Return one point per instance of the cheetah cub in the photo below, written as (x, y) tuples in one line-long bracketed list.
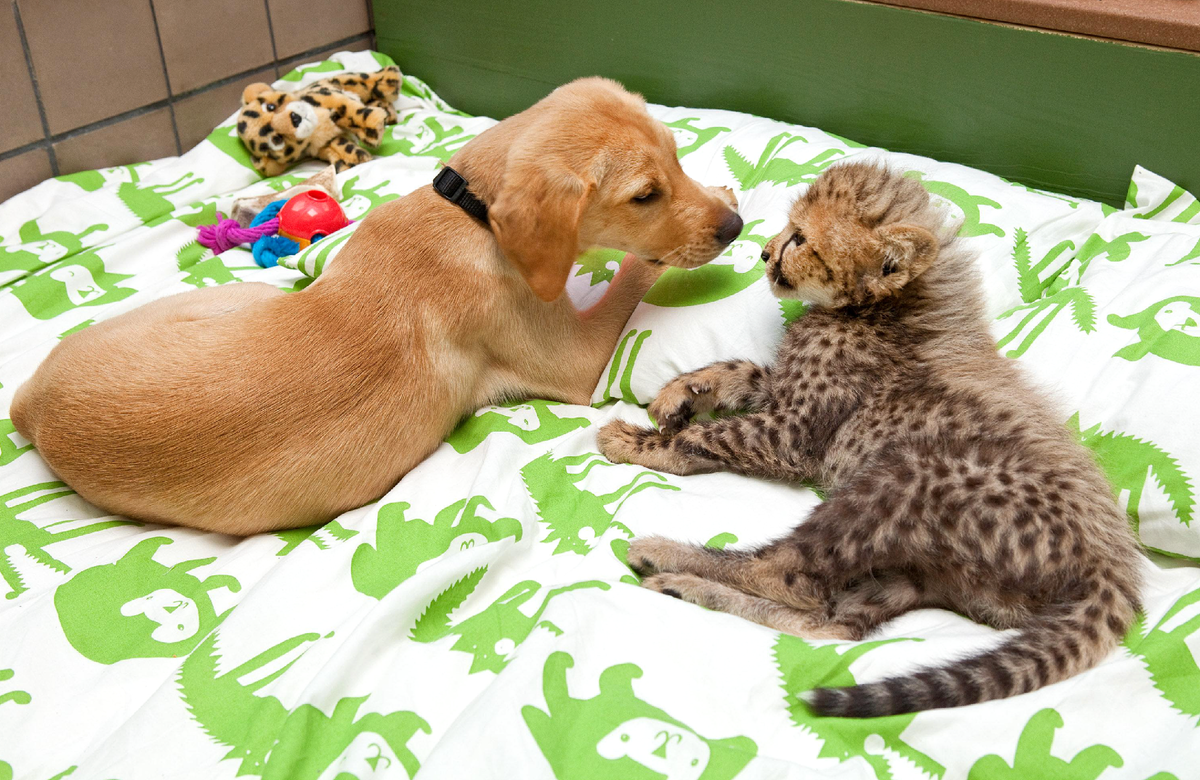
[(950, 484)]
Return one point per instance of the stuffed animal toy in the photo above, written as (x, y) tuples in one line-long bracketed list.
[(282, 128)]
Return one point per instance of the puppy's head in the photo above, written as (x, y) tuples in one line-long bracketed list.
[(589, 166), (858, 235)]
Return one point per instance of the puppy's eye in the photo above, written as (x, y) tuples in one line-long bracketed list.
[(646, 197)]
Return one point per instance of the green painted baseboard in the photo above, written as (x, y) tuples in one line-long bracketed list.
[(1049, 110)]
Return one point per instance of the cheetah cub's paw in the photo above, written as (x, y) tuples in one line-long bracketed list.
[(681, 398), (725, 194), (619, 441), (649, 555)]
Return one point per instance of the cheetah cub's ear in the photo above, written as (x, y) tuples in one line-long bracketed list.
[(905, 251)]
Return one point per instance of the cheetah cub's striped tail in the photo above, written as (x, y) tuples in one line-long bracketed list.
[(1052, 649)]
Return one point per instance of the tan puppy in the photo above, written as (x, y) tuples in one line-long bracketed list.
[(241, 409)]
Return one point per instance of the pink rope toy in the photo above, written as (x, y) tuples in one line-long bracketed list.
[(227, 234)]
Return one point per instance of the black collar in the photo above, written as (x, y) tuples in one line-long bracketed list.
[(453, 187)]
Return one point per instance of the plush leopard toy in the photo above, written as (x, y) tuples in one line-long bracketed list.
[(282, 128)]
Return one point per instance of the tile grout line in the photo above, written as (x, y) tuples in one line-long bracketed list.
[(165, 103), (37, 95), (271, 34), (162, 58)]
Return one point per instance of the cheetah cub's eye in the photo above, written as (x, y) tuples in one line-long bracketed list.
[(890, 266)]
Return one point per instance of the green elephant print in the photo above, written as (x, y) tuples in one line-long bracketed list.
[(38, 250), (1168, 329), (533, 422), (716, 280), (303, 743), (83, 281), (24, 555), (403, 545), (803, 666), (139, 608), (492, 636), (577, 518), (616, 735)]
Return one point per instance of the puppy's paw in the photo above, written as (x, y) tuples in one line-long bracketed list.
[(620, 441), (680, 399), (726, 195)]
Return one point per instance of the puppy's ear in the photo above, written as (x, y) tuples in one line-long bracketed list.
[(536, 221), (907, 250), (253, 91)]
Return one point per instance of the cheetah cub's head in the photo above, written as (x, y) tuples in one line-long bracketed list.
[(857, 236)]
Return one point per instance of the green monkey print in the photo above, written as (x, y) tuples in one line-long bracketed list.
[(615, 735), (1034, 760), (686, 127), (532, 422), (403, 544), (713, 281), (24, 543), (1168, 656), (1130, 462), (1169, 329), (776, 169), (38, 250), (139, 608), (577, 518), (492, 636), (303, 743), (970, 205), (803, 666), (80, 281)]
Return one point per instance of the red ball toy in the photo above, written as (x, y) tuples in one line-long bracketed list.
[(309, 216)]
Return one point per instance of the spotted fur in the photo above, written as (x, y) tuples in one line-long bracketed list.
[(282, 128), (951, 485)]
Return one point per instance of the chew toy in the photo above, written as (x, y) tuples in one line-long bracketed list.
[(282, 228)]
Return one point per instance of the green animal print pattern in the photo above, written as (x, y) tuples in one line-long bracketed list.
[(616, 735), (1169, 329), (803, 666), (490, 585)]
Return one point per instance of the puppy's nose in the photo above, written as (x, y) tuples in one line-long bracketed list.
[(730, 228)]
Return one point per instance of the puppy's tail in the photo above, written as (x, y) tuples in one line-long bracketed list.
[(1053, 648)]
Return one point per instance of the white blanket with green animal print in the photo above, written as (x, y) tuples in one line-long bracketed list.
[(479, 621)]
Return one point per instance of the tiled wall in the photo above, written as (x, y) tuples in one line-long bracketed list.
[(95, 83)]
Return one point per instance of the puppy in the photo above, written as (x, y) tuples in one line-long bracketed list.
[(240, 409)]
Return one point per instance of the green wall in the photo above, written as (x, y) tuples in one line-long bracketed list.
[(1050, 110)]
